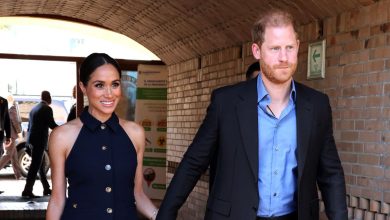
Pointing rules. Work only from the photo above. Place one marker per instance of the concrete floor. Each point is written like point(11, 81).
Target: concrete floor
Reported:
point(13, 206)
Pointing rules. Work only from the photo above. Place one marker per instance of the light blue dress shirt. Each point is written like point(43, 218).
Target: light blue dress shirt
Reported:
point(277, 161)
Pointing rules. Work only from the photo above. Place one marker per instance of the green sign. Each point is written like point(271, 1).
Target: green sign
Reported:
point(316, 60)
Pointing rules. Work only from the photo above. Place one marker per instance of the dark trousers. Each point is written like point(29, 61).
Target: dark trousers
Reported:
point(37, 164)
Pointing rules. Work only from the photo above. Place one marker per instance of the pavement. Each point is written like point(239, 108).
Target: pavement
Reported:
point(13, 206)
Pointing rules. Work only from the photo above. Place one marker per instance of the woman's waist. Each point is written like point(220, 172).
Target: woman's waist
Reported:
point(99, 201)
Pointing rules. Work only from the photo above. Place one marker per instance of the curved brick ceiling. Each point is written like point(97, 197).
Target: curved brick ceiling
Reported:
point(177, 30)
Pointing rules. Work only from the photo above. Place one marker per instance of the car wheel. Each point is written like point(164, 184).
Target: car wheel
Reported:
point(24, 160)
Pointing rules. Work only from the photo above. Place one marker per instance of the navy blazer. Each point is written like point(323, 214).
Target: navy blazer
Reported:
point(230, 130)
point(40, 120)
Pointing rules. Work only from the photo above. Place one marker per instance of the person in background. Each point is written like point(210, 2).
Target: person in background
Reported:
point(5, 125)
point(10, 150)
point(273, 139)
point(40, 120)
point(72, 112)
point(98, 154)
point(252, 71)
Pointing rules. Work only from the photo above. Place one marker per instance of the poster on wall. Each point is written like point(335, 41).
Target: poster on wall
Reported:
point(151, 113)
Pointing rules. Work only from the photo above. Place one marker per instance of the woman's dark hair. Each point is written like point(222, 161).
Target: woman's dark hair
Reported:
point(92, 62)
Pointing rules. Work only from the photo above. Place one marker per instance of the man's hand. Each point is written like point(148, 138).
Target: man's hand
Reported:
point(7, 142)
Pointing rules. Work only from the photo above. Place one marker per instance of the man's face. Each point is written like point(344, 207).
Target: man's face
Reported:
point(278, 54)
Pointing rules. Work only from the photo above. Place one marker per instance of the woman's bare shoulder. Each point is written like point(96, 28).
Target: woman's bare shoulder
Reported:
point(131, 126)
point(135, 132)
point(68, 131)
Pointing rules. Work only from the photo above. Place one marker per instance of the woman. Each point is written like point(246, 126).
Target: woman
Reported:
point(72, 111)
point(99, 153)
point(11, 153)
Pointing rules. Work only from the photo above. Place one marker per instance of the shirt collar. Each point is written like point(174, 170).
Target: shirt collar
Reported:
point(262, 92)
point(92, 123)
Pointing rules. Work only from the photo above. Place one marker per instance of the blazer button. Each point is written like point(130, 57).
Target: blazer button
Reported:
point(108, 167)
point(109, 210)
point(104, 147)
point(108, 189)
point(103, 126)
point(74, 205)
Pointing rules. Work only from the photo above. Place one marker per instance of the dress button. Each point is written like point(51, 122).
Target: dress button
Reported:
point(108, 167)
point(74, 205)
point(104, 147)
point(103, 126)
point(109, 210)
point(108, 189)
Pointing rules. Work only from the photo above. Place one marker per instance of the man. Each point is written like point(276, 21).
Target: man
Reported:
point(5, 125)
point(10, 150)
point(72, 112)
point(274, 141)
point(40, 120)
point(252, 71)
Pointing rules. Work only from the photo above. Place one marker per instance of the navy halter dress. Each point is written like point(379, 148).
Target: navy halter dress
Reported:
point(100, 169)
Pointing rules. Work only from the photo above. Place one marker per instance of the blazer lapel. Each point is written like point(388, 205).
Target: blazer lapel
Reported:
point(304, 116)
point(247, 117)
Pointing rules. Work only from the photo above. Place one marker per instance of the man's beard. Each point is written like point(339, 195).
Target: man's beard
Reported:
point(271, 75)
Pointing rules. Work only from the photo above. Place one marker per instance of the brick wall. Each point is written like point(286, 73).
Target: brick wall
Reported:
point(357, 81)
point(189, 87)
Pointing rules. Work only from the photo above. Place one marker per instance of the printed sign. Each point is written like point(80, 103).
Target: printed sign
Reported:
point(151, 113)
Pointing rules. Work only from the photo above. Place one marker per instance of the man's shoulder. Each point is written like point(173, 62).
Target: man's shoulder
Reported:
point(47, 108)
point(40, 107)
point(235, 92)
point(43, 105)
point(310, 94)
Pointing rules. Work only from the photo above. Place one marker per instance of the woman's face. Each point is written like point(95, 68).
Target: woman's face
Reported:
point(103, 91)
